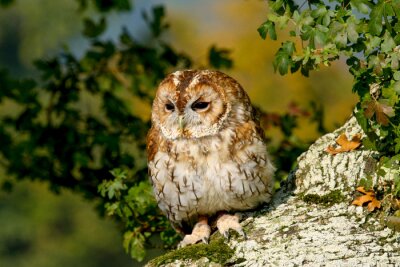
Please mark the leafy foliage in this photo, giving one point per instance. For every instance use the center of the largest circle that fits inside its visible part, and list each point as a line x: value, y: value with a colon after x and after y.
x: 61, y: 130
x: 136, y: 207
x: 366, y: 32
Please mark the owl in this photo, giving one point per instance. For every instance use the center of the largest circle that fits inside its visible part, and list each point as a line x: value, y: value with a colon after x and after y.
x: 206, y: 155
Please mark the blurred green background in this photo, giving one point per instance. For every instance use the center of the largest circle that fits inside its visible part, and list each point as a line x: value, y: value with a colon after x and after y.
x: 40, y: 228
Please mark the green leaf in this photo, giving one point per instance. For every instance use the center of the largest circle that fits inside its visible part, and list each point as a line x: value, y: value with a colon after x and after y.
x: 341, y: 39
x: 134, y: 244
x: 396, y: 76
x: 386, y: 108
x: 319, y: 11
x: 306, y: 32
x: 388, y: 9
x: 396, y: 7
x: 119, y: 173
x: 394, y: 61
x: 396, y: 190
x: 141, y: 197
x: 390, y: 95
x: 296, y: 17
x: 326, y: 20
x: 352, y: 33
x: 361, y: 5
x: 111, y: 208
x: 93, y: 29
x: 156, y: 23
x: 397, y: 146
x: 366, y: 183
x: 321, y: 37
x: 266, y: 28
x: 278, y: 4
x: 106, y: 6
x: 388, y: 43
x: 368, y: 144
x: 220, y: 58
x: 295, y: 66
x: 396, y: 87
x: 372, y: 43
x: 307, y: 20
x: 282, y: 62
x: 361, y: 119
x: 375, y: 23
x: 289, y: 47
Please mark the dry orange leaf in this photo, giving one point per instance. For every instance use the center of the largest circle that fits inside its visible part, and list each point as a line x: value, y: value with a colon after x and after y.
x: 368, y: 197
x: 345, y: 144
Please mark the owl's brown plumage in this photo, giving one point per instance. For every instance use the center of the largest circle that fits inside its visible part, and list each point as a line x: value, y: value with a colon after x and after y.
x: 205, y: 148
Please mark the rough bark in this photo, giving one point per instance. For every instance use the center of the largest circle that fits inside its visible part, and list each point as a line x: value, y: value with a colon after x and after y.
x: 311, y: 221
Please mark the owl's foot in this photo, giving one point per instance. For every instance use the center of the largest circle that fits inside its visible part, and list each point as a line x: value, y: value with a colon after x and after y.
x: 225, y: 222
x: 200, y: 233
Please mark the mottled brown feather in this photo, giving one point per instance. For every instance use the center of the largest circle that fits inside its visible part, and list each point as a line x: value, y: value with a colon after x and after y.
x: 152, y: 142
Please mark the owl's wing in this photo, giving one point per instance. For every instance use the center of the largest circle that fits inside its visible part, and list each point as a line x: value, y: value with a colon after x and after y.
x: 153, y: 142
x: 256, y: 116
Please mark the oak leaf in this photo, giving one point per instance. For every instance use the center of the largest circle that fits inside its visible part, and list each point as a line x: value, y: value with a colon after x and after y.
x: 368, y: 197
x: 382, y: 110
x: 345, y: 144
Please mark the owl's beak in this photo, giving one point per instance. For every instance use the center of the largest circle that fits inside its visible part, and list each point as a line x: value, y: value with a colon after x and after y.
x: 181, y: 122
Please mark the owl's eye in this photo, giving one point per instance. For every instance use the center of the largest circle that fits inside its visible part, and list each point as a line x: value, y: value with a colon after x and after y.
x: 200, y: 106
x: 169, y: 107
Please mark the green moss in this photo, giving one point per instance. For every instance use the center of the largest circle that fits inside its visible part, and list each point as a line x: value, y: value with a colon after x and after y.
x: 217, y: 251
x: 330, y: 199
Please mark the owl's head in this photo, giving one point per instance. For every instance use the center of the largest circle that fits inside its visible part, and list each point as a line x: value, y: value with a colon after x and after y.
x: 196, y: 103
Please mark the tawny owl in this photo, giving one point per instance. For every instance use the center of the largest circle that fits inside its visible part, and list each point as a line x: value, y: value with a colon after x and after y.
x: 206, y: 153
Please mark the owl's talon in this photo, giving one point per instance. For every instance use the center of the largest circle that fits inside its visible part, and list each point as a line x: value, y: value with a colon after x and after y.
x: 226, y: 222
x: 200, y: 233
x: 243, y: 234
x: 226, y: 235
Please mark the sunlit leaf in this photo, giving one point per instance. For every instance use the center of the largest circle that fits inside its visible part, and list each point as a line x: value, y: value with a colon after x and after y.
x: 266, y: 28
x: 289, y: 47
x: 345, y: 145
x: 375, y: 23
x: 388, y: 43
x: 282, y: 62
x: 352, y: 33
x: 367, y: 197
x: 361, y: 5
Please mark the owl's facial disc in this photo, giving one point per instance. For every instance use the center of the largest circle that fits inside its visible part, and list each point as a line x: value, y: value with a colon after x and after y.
x: 190, y: 108
x: 203, y: 109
